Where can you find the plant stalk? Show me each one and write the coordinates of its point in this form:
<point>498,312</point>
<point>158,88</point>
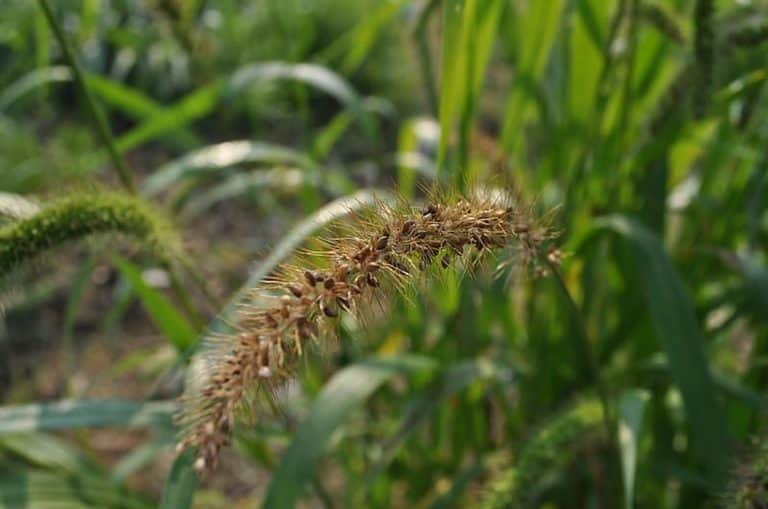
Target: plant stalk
<point>126,177</point>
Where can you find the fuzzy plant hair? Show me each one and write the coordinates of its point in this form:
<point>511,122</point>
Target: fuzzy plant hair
<point>519,485</point>
<point>81,215</point>
<point>382,251</point>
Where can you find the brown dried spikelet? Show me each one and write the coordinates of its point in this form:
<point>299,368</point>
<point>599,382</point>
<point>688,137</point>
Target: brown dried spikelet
<point>391,245</point>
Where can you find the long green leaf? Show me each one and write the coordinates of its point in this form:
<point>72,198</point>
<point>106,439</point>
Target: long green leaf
<point>678,333</point>
<point>171,322</point>
<point>80,413</point>
<point>343,394</point>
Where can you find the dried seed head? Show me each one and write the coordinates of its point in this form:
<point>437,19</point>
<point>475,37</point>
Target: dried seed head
<point>265,349</point>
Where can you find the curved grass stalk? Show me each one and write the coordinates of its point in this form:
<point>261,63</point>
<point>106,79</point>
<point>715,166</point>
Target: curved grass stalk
<point>382,252</point>
<point>551,448</point>
<point>72,218</point>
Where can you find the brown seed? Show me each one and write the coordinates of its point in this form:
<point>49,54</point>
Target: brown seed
<point>363,254</point>
<point>381,242</point>
<point>428,210</point>
<point>310,278</point>
<point>371,280</point>
<point>329,283</point>
<point>328,311</point>
<point>407,227</point>
<point>295,290</point>
<point>373,266</point>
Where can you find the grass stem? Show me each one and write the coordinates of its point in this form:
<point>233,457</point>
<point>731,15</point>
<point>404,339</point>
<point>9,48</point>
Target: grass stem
<point>126,178</point>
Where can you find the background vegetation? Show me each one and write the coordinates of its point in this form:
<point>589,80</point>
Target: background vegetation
<point>633,376</point>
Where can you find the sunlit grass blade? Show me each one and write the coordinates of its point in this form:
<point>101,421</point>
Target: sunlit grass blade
<point>679,335</point>
<point>216,157</point>
<point>631,409</point>
<point>343,394</point>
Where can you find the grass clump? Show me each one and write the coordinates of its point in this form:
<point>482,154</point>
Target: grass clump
<point>77,216</point>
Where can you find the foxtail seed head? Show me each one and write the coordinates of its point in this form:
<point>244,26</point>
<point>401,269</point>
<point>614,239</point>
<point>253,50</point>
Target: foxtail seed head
<point>392,245</point>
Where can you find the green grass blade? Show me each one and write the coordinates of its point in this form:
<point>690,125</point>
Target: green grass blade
<point>242,183</point>
<point>674,318</point>
<point>179,490</point>
<point>216,157</point>
<point>48,452</point>
<point>171,322</point>
<point>453,65</point>
<point>29,82</point>
<point>81,413</point>
<point>192,107</point>
<point>537,31</point>
<point>314,75</point>
<point>631,409</point>
<point>343,394</point>
<point>135,104</point>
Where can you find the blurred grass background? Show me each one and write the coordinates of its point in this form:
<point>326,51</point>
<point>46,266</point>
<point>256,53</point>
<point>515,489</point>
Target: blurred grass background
<point>641,124</point>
